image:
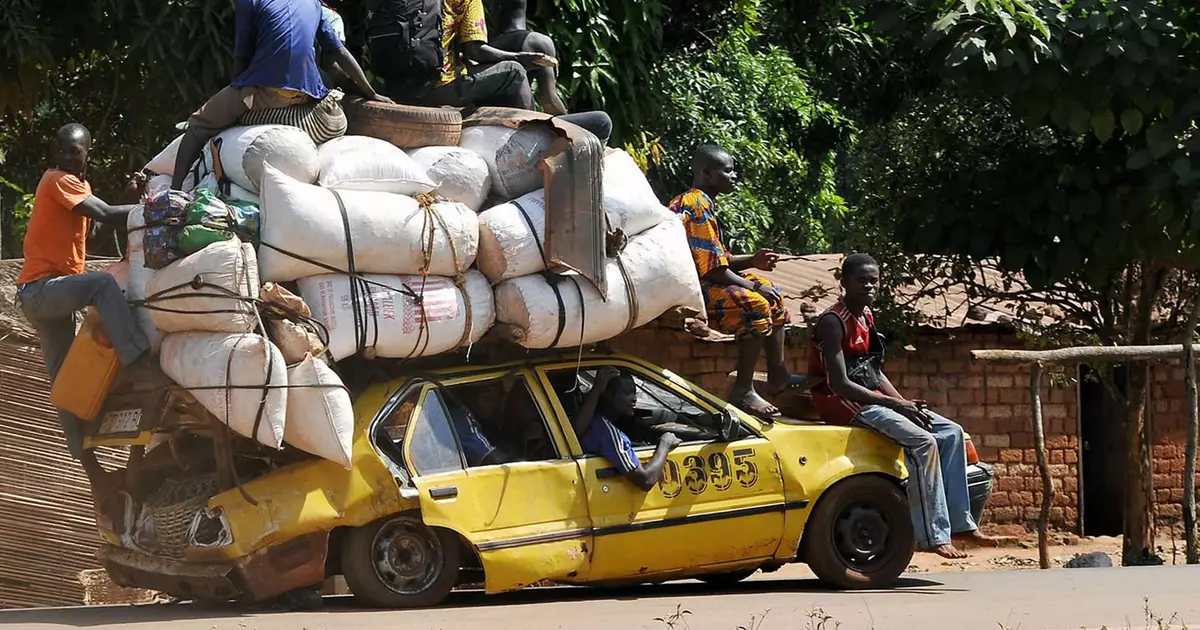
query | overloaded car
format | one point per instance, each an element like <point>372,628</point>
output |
<point>423,509</point>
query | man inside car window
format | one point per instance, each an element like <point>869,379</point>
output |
<point>612,398</point>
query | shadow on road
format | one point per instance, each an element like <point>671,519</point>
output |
<point>115,615</point>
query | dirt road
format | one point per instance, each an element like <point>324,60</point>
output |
<point>1059,599</point>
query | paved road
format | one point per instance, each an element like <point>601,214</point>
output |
<point>1061,599</point>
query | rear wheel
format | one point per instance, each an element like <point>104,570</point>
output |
<point>726,579</point>
<point>399,562</point>
<point>860,535</point>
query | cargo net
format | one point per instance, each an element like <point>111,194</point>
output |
<point>170,510</point>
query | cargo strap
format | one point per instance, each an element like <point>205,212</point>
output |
<point>630,295</point>
<point>552,279</point>
<point>357,288</point>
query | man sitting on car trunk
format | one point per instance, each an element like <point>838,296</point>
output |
<point>613,397</point>
<point>847,351</point>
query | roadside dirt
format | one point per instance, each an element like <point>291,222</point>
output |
<point>1023,554</point>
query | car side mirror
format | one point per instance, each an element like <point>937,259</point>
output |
<point>727,423</point>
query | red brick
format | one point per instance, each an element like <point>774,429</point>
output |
<point>1021,440</point>
<point>1021,499</point>
<point>999,381</point>
<point>916,381</point>
<point>1011,456</point>
<point>1005,514</point>
<point>1057,441</point>
<point>952,366</point>
<point>1008,484</point>
<point>1030,456</point>
<point>1000,411</point>
<point>1054,411</point>
<point>1071,456</point>
<point>950,411</point>
<point>961,396</point>
<point>1014,396</point>
<point>1057,457</point>
<point>972,411</point>
<point>1002,441</point>
<point>935,397</point>
<point>999,500</point>
<point>682,350</point>
<point>972,382</point>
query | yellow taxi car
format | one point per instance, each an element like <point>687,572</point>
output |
<point>423,508</point>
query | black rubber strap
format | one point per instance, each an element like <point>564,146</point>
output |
<point>532,230</point>
<point>552,279</point>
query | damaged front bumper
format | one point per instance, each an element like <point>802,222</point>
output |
<point>268,573</point>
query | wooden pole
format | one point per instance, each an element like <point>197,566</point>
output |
<point>1039,443</point>
<point>1189,467</point>
<point>1104,354</point>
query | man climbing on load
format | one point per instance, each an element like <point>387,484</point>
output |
<point>52,285</point>
<point>421,52</point>
<point>738,302</point>
<point>847,352</point>
<point>514,36</point>
<point>612,399</point>
<point>275,66</point>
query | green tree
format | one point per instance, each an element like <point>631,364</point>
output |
<point>1059,141</point>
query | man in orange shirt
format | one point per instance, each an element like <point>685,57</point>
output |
<point>53,287</point>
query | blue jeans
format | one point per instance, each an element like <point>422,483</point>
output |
<point>937,472</point>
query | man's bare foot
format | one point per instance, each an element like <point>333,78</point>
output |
<point>977,538</point>
<point>948,551</point>
<point>753,404</point>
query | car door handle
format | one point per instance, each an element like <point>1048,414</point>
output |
<point>607,473</point>
<point>448,492</point>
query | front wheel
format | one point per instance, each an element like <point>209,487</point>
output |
<point>399,562</point>
<point>860,535</point>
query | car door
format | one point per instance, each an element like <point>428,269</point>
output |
<point>718,502</point>
<point>528,520</point>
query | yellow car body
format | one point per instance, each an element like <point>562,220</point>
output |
<point>722,508</point>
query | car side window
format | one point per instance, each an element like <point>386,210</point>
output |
<point>657,410</point>
<point>433,448</point>
<point>498,421</point>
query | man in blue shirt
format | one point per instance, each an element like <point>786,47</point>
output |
<point>275,65</point>
<point>614,396</point>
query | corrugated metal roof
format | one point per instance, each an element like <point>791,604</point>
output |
<point>810,286</point>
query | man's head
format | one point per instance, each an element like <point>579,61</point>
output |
<point>860,280</point>
<point>713,170</point>
<point>71,145</point>
<point>620,397</point>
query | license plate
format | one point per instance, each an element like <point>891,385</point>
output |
<point>121,422</point>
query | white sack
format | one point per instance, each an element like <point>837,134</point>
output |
<point>230,265</point>
<point>320,418</point>
<point>400,327</point>
<point>157,185</point>
<point>512,155</point>
<point>198,360</point>
<point>388,232</point>
<point>209,182</point>
<point>661,271</point>
<point>139,277</point>
<point>244,150</point>
<point>164,162</point>
<point>508,248</point>
<point>460,175</point>
<point>364,163</point>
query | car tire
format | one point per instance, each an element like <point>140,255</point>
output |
<point>726,579</point>
<point>405,126</point>
<point>860,535</point>
<point>399,562</point>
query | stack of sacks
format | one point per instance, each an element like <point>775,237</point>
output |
<point>511,156</point>
<point>657,259</point>
<point>460,174</point>
<point>140,275</point>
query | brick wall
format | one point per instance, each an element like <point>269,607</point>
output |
<point>992,404</point>
<point>1168,422</point>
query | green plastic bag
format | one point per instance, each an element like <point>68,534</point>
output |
<point>211,220</point>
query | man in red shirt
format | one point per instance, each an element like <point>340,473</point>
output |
<point>847,351</point>
<point>53,287</point>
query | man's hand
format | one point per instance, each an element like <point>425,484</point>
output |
<point>135,186</point>
<point>913,411</point>
<point>605,376</point>
<point>765,259</point>
<point>669,441</point>
<point>535,60</point>
<point>769,292</point>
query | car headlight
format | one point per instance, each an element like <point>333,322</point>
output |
<point>210,528</point>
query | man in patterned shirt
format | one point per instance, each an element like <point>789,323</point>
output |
<point>738,301</point>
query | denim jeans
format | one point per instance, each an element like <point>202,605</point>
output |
<point>937,472</point>
<point>51,305</point>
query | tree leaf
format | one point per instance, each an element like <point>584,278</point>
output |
<point>970,5</point>
<point>1103,125</point>
<point>1140,160</point>
<point>1131,121</point>
<point>1009,24</point>
<point>947,22</point>
<point>1160,139</point>
<point>1080,121</point>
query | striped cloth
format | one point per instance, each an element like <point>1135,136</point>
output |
<point>323,120</point>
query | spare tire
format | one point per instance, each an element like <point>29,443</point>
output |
<point>405,126</point>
